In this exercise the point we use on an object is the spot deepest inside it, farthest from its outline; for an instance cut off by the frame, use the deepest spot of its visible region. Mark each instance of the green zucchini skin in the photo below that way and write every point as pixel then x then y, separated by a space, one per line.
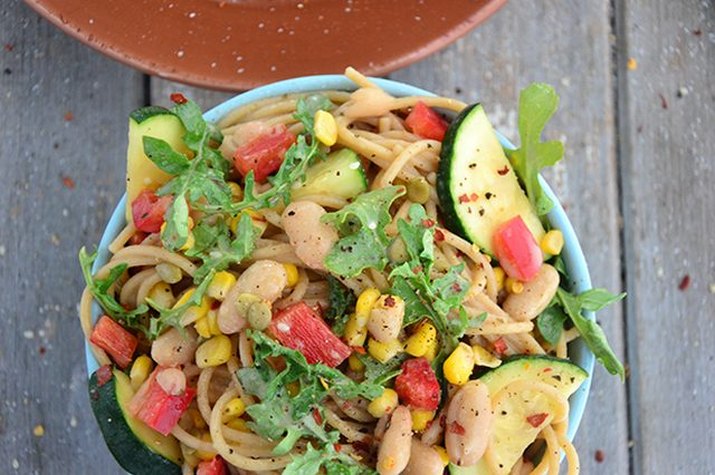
pixel 129 449
pixel 144 113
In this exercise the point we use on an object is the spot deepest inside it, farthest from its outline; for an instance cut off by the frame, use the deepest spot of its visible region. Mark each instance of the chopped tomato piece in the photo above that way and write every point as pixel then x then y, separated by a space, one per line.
pixel 417 385
pixel 158 409
pixel 215 466
pixel 104 375
pixel 115 340
pixel 299 327
pixel 500 346
pixel 426 122
pixel 264 154
pixel 517 250
pixel 148 211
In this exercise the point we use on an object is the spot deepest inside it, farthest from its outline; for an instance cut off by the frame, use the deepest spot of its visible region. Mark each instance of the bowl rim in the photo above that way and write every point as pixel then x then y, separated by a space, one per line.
pixel 572 253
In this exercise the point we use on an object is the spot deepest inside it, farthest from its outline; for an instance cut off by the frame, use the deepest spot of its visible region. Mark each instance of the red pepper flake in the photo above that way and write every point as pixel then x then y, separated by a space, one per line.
pixel 438 235
pixel 503 171
pixel 178 98
pixel 684 282
pixel 68 182
pixel 500 346
pixel 43 350
pixel 547 370
pixel 428 223
pixel 104 375
pixel 697 32
pixel 9 47
pixel 358 349
pixel 663 102
pixel 416 269
pixel 215 304
pixel 473 197
pixel 317 417
pixel 456 428
pixel 137 238
pixel 337 447
pixel 464 198
pixel 456 287
pixel 390 301
pixel 535 420
pixel 599 456
pixel 69 116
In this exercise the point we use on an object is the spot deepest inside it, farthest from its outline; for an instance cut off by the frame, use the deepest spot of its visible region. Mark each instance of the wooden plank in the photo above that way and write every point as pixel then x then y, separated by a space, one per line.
pixel 538 41
pixel 667 112
pixel 63 108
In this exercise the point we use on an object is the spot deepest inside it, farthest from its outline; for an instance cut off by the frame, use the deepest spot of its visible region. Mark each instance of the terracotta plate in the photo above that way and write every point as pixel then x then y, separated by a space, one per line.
pixel 241 44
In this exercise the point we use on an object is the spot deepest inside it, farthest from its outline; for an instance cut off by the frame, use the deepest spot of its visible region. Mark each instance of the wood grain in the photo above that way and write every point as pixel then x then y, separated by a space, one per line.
pixel 566 44
pixel 62 142
pixel 667 112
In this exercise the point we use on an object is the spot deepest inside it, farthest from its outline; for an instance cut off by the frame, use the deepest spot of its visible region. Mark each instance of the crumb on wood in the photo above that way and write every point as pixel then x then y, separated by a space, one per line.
pixel 663 101
pixel 599 456
pixel 38 430
pixel 9 47
pixel 68 182
pixel 69 116
pixel 632 64
pixel 684 282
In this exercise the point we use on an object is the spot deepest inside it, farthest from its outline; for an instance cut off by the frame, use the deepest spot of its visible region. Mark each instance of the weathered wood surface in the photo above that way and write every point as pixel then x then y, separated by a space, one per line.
pixel 667 118
pixel 624 152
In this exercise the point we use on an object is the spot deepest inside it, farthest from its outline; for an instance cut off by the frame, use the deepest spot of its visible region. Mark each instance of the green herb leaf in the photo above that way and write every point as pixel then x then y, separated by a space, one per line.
pixel 99 288
pixel 176 232
pixel 551 323
pixel 165 157
pixel 362 225
pixel 340 301
pixel 307 107
pixel 537 103
pixel 596 299
pixel 591 332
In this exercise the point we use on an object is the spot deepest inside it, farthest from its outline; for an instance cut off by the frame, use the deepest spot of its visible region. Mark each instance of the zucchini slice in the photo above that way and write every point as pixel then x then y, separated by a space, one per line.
pixel 340 174
pixel 136 447
pixel 512 432
pixel 154 122
pixel 477 188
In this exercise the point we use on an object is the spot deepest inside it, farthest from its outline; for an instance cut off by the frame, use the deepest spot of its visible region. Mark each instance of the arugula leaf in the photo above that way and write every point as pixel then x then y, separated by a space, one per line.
pixel 99 288
pixel 334 463
pixel 307 107
pixel 340 301
pixel 589 330
pixel 176 232
pixel 362 225
pixel 596 299
pixel 537 103
pixel 551 323
pixel 165 157
pixel 381 373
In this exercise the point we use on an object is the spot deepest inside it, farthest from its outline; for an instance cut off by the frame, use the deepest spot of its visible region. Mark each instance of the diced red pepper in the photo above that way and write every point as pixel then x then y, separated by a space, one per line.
pixel 517 250
pixel 264 154
pixel 535 420
pixel 215 466
pixel 500 346
pixel 148 211
pixel 158 409
pixel 299 327
pixel 115 340
pixel 104 375
pixel 455 427
pixel 426 122
pixel 417 385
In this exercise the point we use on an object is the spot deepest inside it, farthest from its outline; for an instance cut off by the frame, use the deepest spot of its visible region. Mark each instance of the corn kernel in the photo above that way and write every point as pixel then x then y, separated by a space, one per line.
pixel 292 274
pixel 443 456
pixel 355 364
pixel 202 327
pixel 419 342
pixel 431 353
pixel 162 295
pixel 139 373
pixel 236 191
pixel 195 312
pixel 459 365
pixel 325 127
pixel 205 454
pixel 355 334
pixel 38 430
pixel 233 409
pixel 500 277
pixel 238 424
pixel 420 419
pixel 212 319
pixel 190 241
pixel 220 285
pixel 514 286
pixel 552 242
pixel 196 418
pixel 383 352
pixel 213 352
pixel 383 404
pixel 364 304
pixel 482 357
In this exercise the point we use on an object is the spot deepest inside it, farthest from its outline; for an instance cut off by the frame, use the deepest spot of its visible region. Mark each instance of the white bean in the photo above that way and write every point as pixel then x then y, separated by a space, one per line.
pixel 469 418
pixel 535 297
pixel 311 239
pixel 386 318
pixel 265 279
pixel 394 452
pixel 171 348
pixel 424 460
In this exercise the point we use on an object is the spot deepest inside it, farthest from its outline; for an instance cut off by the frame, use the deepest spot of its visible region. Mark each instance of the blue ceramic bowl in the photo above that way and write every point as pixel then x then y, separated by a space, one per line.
pixel 572 254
